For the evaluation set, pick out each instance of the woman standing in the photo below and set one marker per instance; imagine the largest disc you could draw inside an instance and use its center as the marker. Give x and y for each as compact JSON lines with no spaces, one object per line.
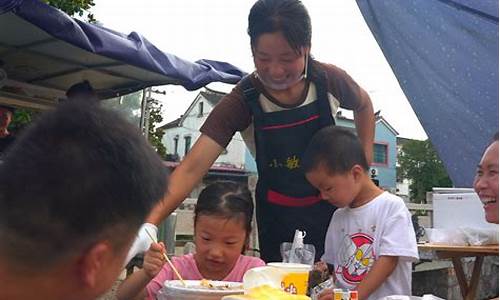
{"x":277,"y":108}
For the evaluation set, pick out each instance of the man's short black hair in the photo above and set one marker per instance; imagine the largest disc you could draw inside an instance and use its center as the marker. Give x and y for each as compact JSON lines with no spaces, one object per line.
{"x":335,"y":148}
{"x":81,"y":90}
{"x":80,"y":174}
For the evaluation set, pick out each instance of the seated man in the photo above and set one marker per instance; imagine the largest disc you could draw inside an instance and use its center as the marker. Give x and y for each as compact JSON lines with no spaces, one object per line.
{"x":6,"y":138}
{"x":73,"y":192}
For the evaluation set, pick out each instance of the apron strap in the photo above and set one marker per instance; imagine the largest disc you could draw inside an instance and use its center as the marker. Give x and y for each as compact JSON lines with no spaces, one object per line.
{"x":325,"y":110}
{"x":251,"y":97}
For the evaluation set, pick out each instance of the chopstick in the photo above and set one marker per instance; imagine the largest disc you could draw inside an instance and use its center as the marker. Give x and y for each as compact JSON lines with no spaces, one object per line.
{"x":167,"y":259}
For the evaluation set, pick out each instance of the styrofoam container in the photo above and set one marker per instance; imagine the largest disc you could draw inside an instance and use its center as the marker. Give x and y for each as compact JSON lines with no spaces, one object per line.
{"x":175,"y":290}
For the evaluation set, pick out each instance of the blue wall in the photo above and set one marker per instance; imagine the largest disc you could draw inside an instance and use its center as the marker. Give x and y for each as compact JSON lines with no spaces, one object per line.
{"x":383,"y":135}
{"x":250,"y":164}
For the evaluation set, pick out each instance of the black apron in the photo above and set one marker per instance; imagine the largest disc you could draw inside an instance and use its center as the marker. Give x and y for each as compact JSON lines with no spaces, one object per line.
{"x":285,"y":200}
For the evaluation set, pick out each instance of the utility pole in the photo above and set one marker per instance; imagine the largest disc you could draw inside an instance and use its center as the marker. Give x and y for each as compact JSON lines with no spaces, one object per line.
{"x":145,"y":108}
{"x":144,"y":119}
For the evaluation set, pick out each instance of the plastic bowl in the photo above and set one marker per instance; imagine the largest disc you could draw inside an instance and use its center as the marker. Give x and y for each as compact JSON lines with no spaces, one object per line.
{"x":174,"y":289}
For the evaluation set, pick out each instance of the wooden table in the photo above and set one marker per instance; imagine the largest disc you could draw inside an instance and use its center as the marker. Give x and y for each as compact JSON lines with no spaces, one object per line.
{"x":468,"y":289}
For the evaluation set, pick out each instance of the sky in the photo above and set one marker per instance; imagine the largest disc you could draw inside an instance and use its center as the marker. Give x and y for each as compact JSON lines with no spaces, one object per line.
{"x":216,"y":29}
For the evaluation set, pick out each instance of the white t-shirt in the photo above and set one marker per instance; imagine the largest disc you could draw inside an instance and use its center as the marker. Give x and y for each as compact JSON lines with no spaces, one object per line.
{"x":357,"y":237}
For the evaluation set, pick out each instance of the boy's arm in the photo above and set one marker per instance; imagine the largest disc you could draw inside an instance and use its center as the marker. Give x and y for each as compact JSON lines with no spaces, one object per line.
{"x":134,"y":287}
{"x":382,"y":268}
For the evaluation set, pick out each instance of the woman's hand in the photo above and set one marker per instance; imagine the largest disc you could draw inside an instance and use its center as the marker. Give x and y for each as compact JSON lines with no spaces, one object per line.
{"x":154,"y":259}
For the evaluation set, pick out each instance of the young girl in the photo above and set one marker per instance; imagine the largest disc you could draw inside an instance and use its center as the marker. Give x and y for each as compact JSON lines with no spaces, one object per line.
{"x":222,"y":225}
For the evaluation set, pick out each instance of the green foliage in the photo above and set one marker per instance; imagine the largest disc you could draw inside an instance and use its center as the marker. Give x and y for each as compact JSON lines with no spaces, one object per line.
{"x":155,"y":135}
{"x":74,"y":7}
{"x":420,"y":163}
{"x":21,"y":118}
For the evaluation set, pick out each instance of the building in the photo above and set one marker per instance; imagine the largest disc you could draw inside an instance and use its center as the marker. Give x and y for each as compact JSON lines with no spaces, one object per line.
{"x":183,"y":132}
{"x":383,"y":167}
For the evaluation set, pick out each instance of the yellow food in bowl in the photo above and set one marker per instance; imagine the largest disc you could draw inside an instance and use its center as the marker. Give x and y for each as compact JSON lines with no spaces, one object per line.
{"x":266,"y":292}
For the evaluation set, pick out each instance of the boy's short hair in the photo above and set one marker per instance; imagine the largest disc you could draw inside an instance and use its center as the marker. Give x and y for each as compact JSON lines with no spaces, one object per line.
{"x":80,"y":174}
{"x":335,"y":148}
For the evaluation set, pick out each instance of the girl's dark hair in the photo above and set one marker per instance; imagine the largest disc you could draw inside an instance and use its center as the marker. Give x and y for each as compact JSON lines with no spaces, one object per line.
{"x":226,"y":199}
{"x":288,"y":16}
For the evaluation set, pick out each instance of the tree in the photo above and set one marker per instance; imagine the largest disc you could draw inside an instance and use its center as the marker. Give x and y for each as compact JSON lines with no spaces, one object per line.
{"x":24,"y":116}
{"x":74,"y":7}
{"x":420,"y":163}
{"x":155,"y":134}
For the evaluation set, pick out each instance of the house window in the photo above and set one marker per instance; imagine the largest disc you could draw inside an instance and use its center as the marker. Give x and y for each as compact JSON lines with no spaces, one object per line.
{"x":176,"y":145}
{"x":200,"y":109}
{"x":187,"y":144}
{"x":380,"y":154}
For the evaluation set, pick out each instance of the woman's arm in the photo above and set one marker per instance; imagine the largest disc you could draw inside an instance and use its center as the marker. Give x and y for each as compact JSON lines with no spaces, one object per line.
{"x":382,"y":268}
{"x":186,"y":176}
{"x":365,"y":124}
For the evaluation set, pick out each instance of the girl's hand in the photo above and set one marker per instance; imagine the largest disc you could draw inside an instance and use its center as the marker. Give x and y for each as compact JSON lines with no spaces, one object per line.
{"x":326,"y":295}
{"x":153,"y":259}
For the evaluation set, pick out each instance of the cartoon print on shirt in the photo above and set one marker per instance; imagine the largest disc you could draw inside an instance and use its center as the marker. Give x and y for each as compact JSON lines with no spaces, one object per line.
{"x":356,"y":256}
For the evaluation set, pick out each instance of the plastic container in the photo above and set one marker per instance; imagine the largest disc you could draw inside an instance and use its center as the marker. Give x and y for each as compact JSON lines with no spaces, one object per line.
{"x":175,"y":290}
{"x":292,"y":278}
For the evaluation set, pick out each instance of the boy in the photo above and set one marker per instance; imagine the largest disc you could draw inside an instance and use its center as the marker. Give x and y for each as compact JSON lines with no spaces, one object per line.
{"x":370,"y":240}
{"x":74,"y":190}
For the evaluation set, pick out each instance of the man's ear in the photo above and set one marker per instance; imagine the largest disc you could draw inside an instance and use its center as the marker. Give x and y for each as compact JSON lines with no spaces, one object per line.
{"x":92,"y":263}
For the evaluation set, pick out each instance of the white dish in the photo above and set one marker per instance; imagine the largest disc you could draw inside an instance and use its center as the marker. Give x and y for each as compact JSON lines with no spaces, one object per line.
{"x":174,"y":289}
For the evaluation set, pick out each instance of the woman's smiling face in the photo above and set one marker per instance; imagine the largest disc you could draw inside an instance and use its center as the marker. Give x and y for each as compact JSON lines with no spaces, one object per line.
{"x":278,"y":65}
{"x":486,"y":182}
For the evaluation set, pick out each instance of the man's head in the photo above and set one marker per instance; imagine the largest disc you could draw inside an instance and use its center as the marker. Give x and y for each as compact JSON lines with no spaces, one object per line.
{"x":73,"y":192}
{"x":486,"y":181}
{"x":82,"y":91}
{"x":335,"y":163}
{"x":5,"y":118}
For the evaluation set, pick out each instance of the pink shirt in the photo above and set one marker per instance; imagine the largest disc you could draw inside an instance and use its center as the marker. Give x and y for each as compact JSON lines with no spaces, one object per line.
{"x":186,"y":265}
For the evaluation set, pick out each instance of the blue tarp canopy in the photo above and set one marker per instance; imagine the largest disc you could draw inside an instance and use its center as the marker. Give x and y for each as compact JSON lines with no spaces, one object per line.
{"x":43,"y":51}
{"x":445,"y":57}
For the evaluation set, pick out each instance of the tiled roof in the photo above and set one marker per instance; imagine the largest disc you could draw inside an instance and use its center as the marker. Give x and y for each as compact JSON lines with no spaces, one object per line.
{"x":173,"y":124}
{"x":212,"y":97}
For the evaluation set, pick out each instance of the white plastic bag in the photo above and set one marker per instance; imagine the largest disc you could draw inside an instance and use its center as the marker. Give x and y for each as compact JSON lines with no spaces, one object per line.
{"x":462,"y":236}
{"x":454,"y":237}
{"x":480,"y":236}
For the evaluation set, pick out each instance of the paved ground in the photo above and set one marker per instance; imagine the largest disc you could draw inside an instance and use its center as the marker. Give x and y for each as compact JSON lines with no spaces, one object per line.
{"x":110,"y":295}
